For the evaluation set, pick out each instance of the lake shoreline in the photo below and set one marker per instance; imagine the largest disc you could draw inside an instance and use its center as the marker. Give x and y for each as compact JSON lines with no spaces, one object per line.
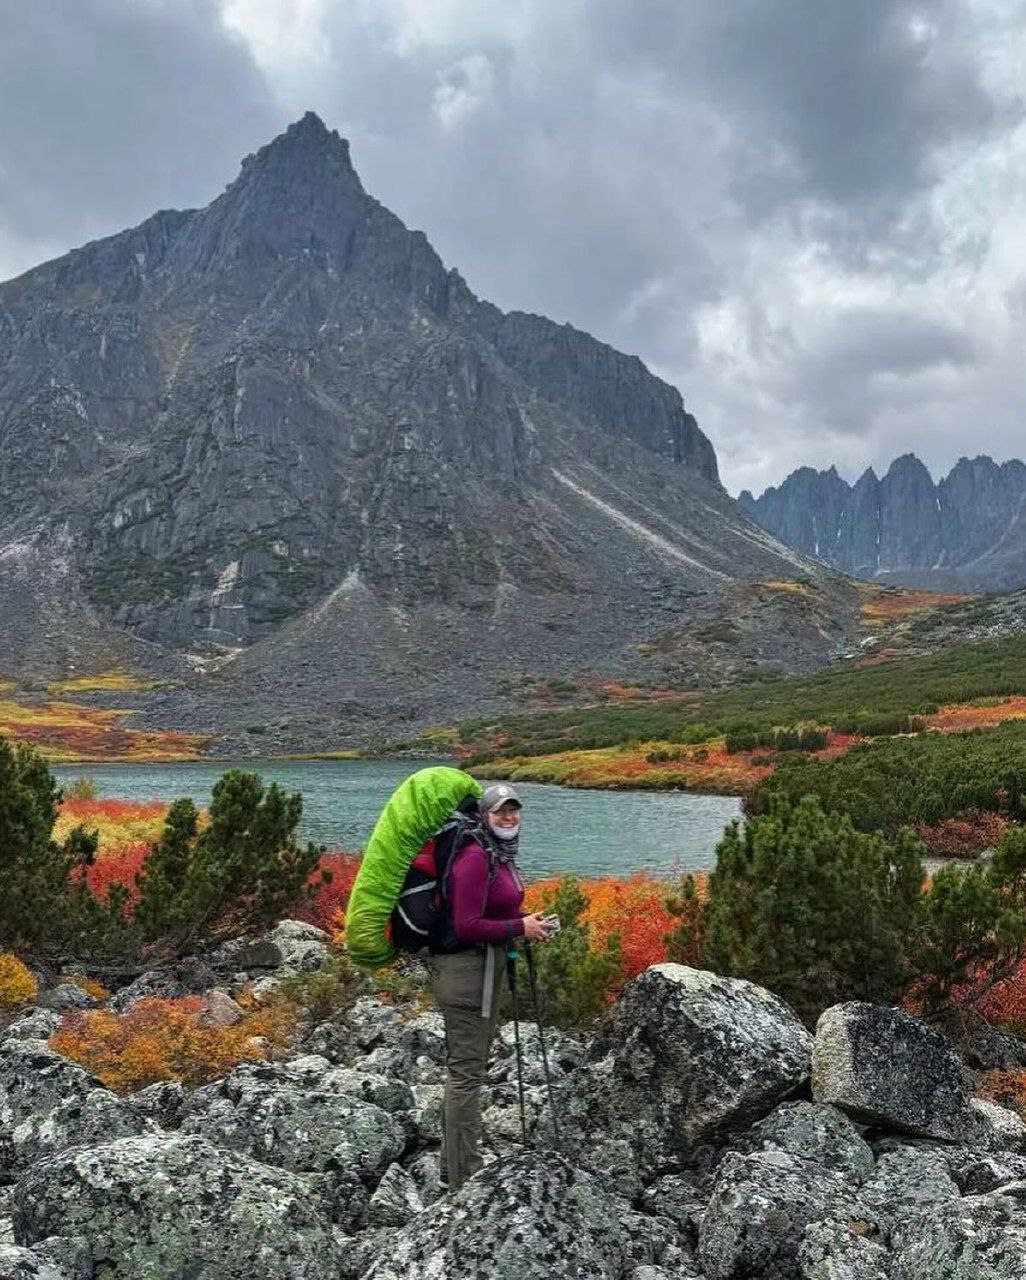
{"x":581,"y":831}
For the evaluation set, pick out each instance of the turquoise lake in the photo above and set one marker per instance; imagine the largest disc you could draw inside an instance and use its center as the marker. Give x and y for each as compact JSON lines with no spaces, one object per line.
{"x":564,"y":830}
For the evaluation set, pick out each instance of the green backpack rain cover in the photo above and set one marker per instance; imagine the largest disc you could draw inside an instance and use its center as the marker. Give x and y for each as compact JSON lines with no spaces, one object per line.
{"x":415,"y":811}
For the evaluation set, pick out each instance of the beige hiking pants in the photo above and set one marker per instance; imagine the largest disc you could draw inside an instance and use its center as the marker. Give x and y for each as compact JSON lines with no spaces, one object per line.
{"x":470,"y":1009}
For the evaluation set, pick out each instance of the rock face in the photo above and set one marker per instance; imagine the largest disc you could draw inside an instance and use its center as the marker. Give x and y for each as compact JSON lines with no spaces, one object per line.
{"x":286,"y":421}
{"x":881,"y":1066}
{"x":964,"y":532}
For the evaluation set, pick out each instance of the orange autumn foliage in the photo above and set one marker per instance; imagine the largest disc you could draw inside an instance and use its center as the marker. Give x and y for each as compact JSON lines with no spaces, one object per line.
{"x":89,"y":985}
{"x":1006,"y":1086}
{"x":165,"y":1040}
{"x":882,"y":606}
{"x":957,"y":717}
{"x":17,"y":984}
{"x":633,"y":908}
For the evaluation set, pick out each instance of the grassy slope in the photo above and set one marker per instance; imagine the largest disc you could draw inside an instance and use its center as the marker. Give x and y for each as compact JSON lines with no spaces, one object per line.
{"x":902,"y":685}
{"x":678,"y":742}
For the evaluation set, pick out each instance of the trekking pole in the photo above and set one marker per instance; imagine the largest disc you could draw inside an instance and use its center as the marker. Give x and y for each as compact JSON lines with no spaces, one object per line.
{"x":511,"y":974}
{"x":533,"y":976}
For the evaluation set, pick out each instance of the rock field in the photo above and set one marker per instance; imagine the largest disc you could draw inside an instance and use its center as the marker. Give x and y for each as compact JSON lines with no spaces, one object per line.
{"x":705,"y":1134}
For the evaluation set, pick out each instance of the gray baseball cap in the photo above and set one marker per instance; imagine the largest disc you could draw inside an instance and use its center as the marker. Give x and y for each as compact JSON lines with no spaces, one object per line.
{"x":497,"y":794}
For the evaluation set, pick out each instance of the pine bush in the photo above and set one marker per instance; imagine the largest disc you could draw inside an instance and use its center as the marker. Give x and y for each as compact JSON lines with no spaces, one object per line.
{"x":241,"y":872}
{"x":816,"y":911}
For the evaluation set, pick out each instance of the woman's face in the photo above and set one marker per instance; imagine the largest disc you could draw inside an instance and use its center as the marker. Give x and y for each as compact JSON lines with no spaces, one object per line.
{"x":505,"y":817}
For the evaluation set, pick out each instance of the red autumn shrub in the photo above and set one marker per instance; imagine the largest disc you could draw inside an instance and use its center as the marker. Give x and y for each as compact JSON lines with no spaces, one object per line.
{"x":965,"y":835}
{"x":1006,"y":1086}
{"x":634,"y":909}
{"x":1004,"y":1004}
{"x":326,"y":908}
{"x":119,"y":866}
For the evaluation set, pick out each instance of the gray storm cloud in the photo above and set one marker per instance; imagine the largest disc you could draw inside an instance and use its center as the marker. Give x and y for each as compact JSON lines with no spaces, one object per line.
{"x":803,"y":214}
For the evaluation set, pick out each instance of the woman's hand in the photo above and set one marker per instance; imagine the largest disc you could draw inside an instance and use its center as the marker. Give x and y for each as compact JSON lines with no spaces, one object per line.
{"x":535,"y":928}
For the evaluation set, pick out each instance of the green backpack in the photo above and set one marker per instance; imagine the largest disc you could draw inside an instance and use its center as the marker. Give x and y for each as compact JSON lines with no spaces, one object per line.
{"x":416,"y":810}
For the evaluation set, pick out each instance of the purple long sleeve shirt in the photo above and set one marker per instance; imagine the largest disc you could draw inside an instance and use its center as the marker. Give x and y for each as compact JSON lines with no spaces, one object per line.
{"x":483,"y":912}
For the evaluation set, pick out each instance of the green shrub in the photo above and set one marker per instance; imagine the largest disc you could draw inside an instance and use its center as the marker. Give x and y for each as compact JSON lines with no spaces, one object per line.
{"x":327,"y":991}
{"x":242,"y":871}
{"x":973,"y":921}
{"x":45,"y":907}
{"x":898,"y":688}
{"x":885,"y":784}
{"x":804,"y":904}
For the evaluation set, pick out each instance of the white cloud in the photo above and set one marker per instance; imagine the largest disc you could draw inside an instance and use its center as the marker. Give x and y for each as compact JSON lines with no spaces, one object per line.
{"x":464,"y":87}
{"x":282,"y":35}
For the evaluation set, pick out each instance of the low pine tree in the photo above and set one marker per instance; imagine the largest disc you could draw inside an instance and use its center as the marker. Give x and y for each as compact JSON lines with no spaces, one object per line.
{"x":973,"y":926}
{"x":807,"y":906}
{"x":241,"y":871}
{"x":45,"y":908}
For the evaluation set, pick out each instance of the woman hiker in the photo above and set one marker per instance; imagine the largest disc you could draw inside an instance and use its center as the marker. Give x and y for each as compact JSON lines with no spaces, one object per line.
{"x":485,"y":894}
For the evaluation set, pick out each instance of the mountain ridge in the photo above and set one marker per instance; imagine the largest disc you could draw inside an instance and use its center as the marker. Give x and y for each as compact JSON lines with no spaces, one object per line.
{"x":966,"y":531}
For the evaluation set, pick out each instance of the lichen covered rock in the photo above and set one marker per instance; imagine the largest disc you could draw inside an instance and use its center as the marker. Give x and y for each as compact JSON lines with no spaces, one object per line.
{"x":533,"y":1217}
{"x":975,"y":1238}
{"x":814,"y":1132}
{"x":883,"y":1067}
{"x":758,"y":1212}
{"x":841,"y":1251}
{"x":296,"y":1125}
{"x":719,"y":1050}
{"x":179,"y":1208}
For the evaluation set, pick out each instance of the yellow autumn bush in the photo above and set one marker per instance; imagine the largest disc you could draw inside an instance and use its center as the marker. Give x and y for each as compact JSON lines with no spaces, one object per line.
{"x":89,"y":985}
{"x":166,"y":1040}
{"x":17,"y":985}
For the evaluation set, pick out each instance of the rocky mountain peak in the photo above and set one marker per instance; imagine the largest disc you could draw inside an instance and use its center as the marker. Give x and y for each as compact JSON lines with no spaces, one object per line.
{"x":307,"y":150}
{"x":908,"y":465}
{"x":278,"y":422}
{"x":298,"y":196}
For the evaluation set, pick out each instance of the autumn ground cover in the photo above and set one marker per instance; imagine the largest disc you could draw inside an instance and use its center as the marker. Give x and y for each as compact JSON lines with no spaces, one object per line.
{"x":116,"y":822}
{"x":656,"y":765}
{"x":881,"y":607}
{"x":168,"y":1040}
{"x":70,"y":731}
{"x":114,"y":681}
{"x":980,"y":713}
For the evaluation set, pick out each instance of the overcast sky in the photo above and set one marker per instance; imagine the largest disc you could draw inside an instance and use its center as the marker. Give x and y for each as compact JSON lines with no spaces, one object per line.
{"x":810,"y":215}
